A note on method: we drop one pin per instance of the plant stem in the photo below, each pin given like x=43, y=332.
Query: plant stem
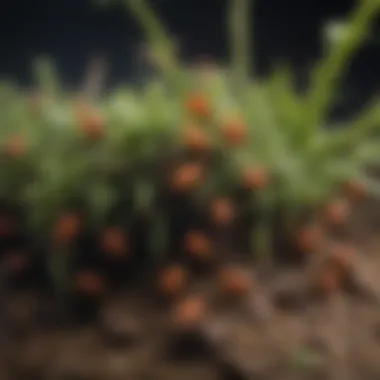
x=240, y=28
x=262, y=234
x=330, y=71
x=46, y=76
x=95, y=79
x=262, y=244
x=58, y=269
x=158, y=39
x=360, y=128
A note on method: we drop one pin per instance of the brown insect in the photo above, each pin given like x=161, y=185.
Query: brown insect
x=190, y=312
x=173, y=280
x=198, y=105
x=89, y=283
x=16, y=261
x=198, y=245
x=196, y=139
x=16, y=147
x=355, y=190
x=6, y=226
x=186, y=177
x=66, y=229
x=223, y=211
x=309, y=237
x=255, y=178
x=234, y=281
x=114, y=241
x=91, y=121
x=235, y=131
x=338, y=211
x=342, y=256
x=329, y=281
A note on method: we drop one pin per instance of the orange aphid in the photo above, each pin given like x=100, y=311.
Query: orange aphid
x=196, y=139
x=235, y=131
x=114, y=241
x=198, y=245
x=255, y=178
x=338, y=211
x=6, y=226
x=17, y=261
x=198, y=105
x=66, y=229
x=89, y=283
x=223, y=211
x=190, y=312
x=342, y=256
x=186, y=177
x=234, y=281
x=329, y=281
x=355, y=190
x=91, y=121
x=16, y=146
x=173, y=280
x=309, y=237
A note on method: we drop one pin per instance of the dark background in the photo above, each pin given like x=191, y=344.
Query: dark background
x=72, y=32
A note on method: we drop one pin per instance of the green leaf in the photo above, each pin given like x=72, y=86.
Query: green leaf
x=327, y=74
x=59, y=270
x=159, y=236
x=143, y=195
x=47, y=76
x=159, y=41
x=287, y=104
x=100, y=198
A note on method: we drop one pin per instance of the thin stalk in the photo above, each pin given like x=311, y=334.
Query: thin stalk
x=327, y=75
x=362, y=127
x=240, y=29
x=158, y=39
x=95, y=79
x=59, y=263
x=262, y=239
x=47, y=77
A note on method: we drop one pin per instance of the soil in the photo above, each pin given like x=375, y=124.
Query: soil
x=281, y=330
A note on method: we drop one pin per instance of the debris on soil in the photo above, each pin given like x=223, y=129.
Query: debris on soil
x=260, y=306
x=119, y=324
x=376, y=331
x=21, y=314
x=364, y=278
x=32, y=358
x=184, y=371
x=302, y=337
x=290, y=290
x=187, y=338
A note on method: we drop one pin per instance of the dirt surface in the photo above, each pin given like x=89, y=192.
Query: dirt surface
x=280, y=330
x=331, y=338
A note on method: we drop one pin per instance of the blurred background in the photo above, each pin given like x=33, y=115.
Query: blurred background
x=73, y=32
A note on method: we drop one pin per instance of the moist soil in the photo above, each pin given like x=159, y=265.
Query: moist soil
x=281, y=331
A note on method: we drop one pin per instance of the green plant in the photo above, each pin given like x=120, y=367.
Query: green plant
x=202, y=136
x=286, y=130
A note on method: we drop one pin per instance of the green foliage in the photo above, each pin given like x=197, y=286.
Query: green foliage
x=141, y=130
